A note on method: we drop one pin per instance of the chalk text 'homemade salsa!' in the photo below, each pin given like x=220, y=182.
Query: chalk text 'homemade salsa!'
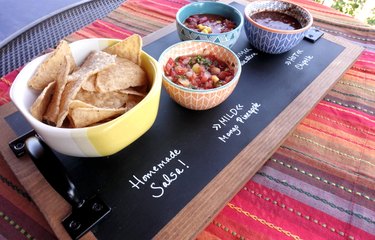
x=199, y=71
x=209, y=23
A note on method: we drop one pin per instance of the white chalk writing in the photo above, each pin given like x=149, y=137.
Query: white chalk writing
x=293, y=57
x=247, y=54
x=223, y=120
x=237, y=113
x=304, y=62
x=167, y=178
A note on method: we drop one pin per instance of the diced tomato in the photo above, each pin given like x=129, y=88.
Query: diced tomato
x=214, y=70
x=198, y=71
x=228, y=78
x=216, y=23
x=180, y=70
x=168, y=67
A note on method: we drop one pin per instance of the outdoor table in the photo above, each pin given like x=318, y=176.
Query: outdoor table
x=318, y=184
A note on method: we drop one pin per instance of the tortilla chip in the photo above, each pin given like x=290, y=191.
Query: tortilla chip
x=130, y=48
x=40, y=105
x=132, y=101
x=89, y=84
x=103, y=99
x=122, y=75
x=80, y=104
x=50, y=116
x=47, y=72
x=94, y=63
x=86, y=116
x=139, y=91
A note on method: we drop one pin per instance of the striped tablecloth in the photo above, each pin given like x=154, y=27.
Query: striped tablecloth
x=320, y=184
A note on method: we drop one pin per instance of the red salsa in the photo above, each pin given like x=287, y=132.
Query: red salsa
x=276, y=20
x=209, y=23
x=198, y=72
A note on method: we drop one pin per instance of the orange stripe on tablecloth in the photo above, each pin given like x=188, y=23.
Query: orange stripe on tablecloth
x=5, y=83
x=74, y=37
x=168, y=8
x=360, y=75
x=315, y=130
x=83, y=33
x=346, y=151
x=105, y=30
x=150, y=14
x=99, y=28
x=116, y=31
x=364, y=88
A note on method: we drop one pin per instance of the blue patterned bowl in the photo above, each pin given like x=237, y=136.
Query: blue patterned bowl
x=227, y=39
x=271, y=40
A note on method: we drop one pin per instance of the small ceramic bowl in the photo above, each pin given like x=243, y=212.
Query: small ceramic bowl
x=271, y=40
x=100, y=140
x=200, y=99
x=227, y=39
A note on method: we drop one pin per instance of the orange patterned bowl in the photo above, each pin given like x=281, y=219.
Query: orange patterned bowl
x=200, y=99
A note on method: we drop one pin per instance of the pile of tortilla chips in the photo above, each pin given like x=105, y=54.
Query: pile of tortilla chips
x=106, y=85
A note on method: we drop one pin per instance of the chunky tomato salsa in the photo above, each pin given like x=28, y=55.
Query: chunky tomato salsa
x=198, y=72
x=209, y=23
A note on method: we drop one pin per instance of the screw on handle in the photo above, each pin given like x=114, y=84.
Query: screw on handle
x=52, y=170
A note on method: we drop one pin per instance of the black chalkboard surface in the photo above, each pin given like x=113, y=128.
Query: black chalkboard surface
x=150, y=181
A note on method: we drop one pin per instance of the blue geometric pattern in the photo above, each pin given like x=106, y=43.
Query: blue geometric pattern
x=227, y=39
x=271, y=42
x=276, y=41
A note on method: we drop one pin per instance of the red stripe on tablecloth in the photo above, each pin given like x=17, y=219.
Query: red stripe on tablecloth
x=111, y=30
x=355, y=128
x=282, y=214
x=102, y=29
x=168, y=8
x=5, y=83
x=13, y=216
x=353, y=116
x=365, y=64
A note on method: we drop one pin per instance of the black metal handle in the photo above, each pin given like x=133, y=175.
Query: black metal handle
x=85, y=213
x=53, y=170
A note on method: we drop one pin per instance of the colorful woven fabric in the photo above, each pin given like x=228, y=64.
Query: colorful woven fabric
x=320, y=184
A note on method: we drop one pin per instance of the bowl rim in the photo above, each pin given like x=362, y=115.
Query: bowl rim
x=235, y=79
x=104, y=125
x=309, y=24
x=193, y=4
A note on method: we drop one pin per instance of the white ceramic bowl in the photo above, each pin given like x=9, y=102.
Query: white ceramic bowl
x=101, y=140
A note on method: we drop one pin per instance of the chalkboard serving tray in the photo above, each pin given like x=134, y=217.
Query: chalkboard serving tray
x=171, y=182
